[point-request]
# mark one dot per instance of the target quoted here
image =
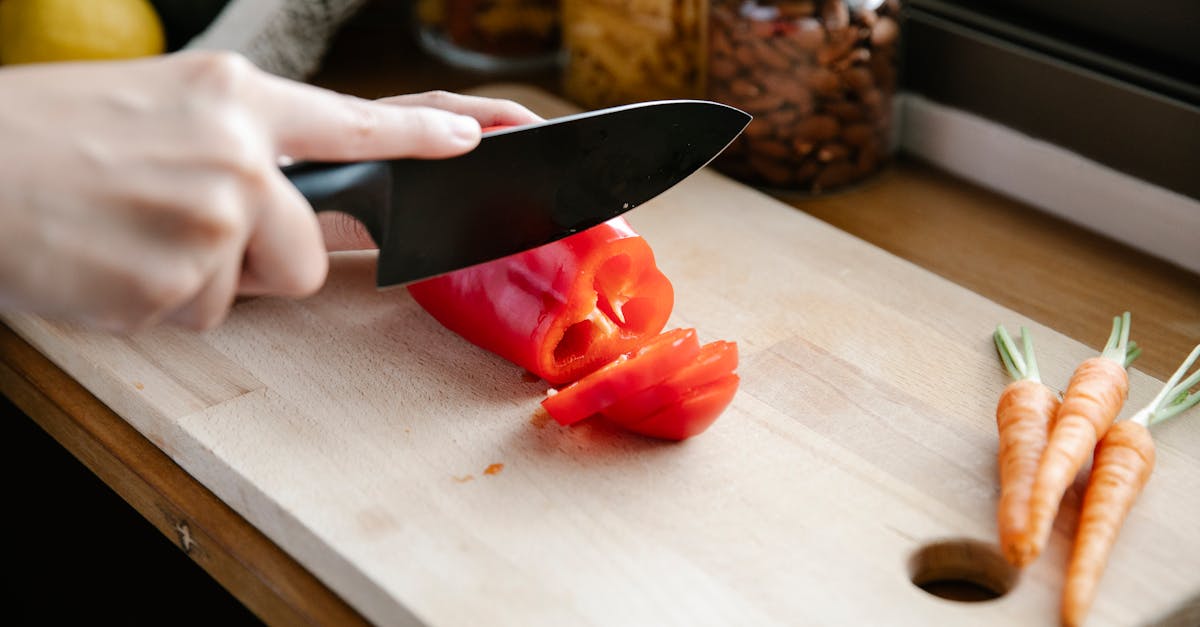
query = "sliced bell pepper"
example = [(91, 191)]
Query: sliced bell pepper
[(624, 376), (694, 413), (560, 310), (714, 361), (568, 308)]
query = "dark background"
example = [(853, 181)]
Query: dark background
[(76, 553), (1153, 45)]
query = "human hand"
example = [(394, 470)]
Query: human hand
[(341, 232), (141, 191)]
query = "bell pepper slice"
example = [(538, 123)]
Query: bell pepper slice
[(714, 361), (560, 310), (693, 414), (623, 376)]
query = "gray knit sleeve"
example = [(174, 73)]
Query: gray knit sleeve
[(284, 37)]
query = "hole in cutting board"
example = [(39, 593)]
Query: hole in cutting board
[(961, 570)]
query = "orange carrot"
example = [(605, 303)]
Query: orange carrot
[(1023, 417), (1124, 459), (1093, 399), (1122, 466)]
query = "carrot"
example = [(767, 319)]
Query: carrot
[(1122, 466), (1023, 417), (1093, 399)]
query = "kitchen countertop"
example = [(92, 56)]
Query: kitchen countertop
[(1051, 271)]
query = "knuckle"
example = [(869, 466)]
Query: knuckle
[(363, 122), (163, 289), (438, 97), (220, 221), (143, 293), (240, 150), (219, 73), (229, 224)]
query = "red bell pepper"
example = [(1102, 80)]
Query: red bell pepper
[(712, 362), (692, 414), (588, 309), (560, 310), (624, 376), (670, 388)]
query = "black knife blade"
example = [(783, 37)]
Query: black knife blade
[(521, 187)]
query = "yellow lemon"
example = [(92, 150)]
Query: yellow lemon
[(35, 31)]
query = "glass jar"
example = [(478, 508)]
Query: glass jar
[(491, 35), (818, 76), (623, 51)]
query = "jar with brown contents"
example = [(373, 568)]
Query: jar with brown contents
[(623, 51), (491, 35), (818, 76)]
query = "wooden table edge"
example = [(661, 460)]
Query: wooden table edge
[(268, 581)]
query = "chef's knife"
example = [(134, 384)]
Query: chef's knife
[(521, 187)]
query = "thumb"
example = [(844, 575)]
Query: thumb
[(341, 232)]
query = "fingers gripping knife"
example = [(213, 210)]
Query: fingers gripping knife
[(521, 187)]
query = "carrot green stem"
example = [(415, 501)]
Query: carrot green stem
[(1181, 398), (1018, 366), (1010, 355), (1133, 353), (1031, 372), (1175, 396), (1117, 348)]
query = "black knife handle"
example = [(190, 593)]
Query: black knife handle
[(362, 189)]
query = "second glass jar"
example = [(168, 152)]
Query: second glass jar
[(623, 51), (818, 76)]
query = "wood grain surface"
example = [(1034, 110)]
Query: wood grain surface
[(356, 433), (1050, 270)]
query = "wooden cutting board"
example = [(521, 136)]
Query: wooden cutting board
[(358, 434)]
